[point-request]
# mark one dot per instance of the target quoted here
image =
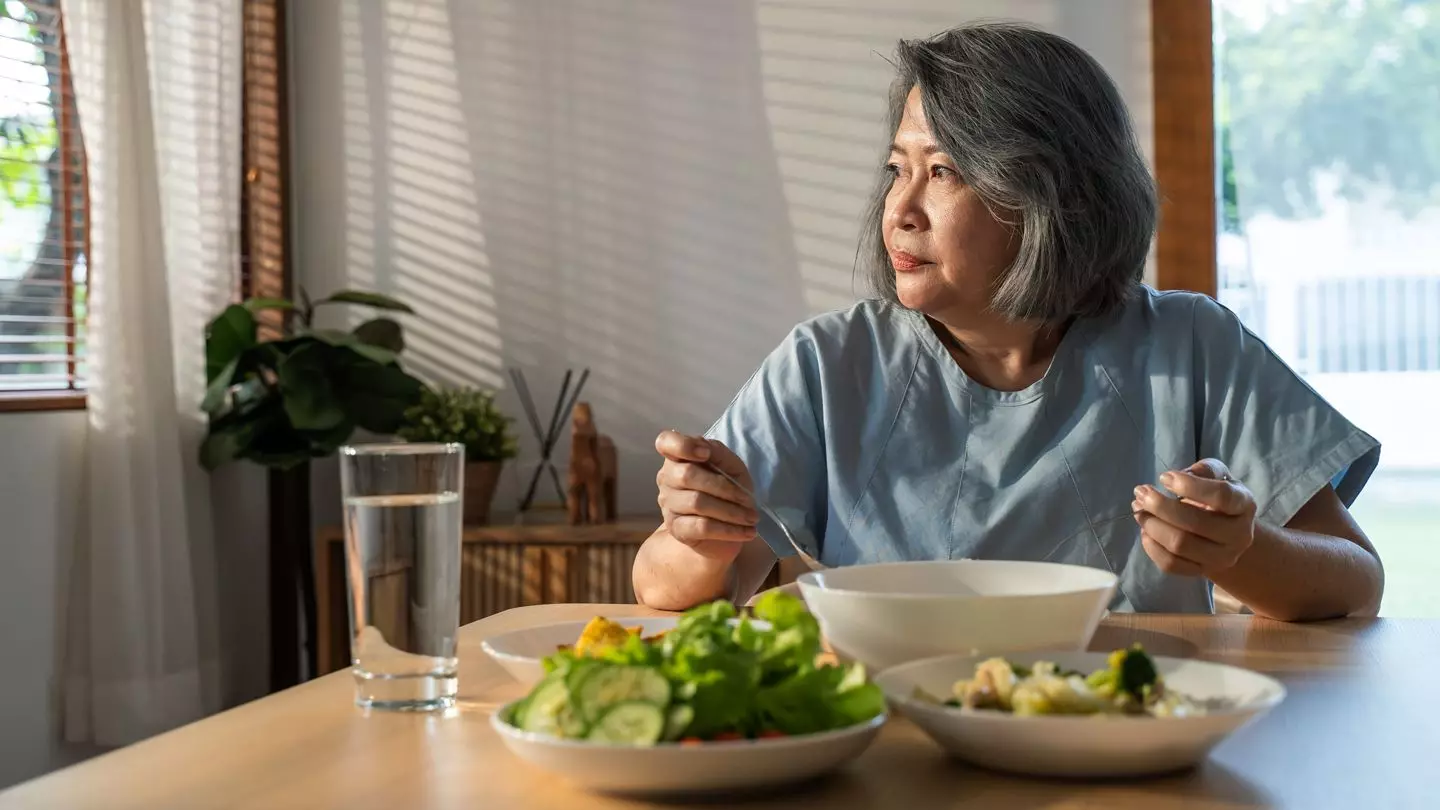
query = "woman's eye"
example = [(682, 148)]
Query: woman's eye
[(943, 172), (892, 169)]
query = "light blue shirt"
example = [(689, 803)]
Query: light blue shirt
[(864, 433)]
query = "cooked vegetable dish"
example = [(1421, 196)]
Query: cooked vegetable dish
[(712, 678), (1130, 685)]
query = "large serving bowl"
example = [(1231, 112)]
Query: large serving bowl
[(890, 613), (1083, 746)]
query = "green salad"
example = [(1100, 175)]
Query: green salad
[(713, 677)]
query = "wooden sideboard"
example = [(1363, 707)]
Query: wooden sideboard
[(501, 567)]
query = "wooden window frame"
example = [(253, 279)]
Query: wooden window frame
[(1182, 49), (73, 183)]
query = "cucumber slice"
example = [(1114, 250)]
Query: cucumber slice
[(676, 721), (604, 687), (632, 722), (572, 725), (542, 709)]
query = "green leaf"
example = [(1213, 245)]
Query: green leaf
[(325, 442), (232, 332), (383, 332), (348, 340), (225, 444), (335, 337), (368, 299), (214, 400), (374, 354), (310, 401), (375, 394), (275, 442), (258, 304)]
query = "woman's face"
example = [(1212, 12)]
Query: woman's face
[(946, 248)]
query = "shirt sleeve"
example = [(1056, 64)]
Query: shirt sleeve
[(1273, 431), (774, 424)]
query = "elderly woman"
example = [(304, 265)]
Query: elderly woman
[(1014, 392)]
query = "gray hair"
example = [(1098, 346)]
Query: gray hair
[(1038, 130)]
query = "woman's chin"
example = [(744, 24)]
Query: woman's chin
[(921, 295)]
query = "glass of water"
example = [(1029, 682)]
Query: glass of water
[(402, 561)]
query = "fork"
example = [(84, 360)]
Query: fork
[(810, 562)]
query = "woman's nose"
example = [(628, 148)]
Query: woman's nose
[(906, 213)]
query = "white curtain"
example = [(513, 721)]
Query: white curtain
[(158, 90)]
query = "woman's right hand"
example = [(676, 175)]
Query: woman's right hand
[(704, 511)]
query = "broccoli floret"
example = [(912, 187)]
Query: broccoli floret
[(1134, 671)]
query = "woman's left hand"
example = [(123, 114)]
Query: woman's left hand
[(1203, 531)]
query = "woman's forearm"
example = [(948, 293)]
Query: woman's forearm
[(669, 575), (1293, 574)]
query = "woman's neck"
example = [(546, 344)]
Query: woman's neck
[(1001, 354)]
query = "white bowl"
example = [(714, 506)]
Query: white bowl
[(520, 651), (703, 768), (890, 613), (1094, 747)]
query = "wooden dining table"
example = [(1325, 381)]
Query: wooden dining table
[(1360, 728)]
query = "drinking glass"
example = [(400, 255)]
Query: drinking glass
[(402, 562)]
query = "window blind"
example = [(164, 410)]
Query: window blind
[(43, 219)]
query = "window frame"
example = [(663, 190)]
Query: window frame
[(1183, 74)]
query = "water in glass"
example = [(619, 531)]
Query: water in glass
[(404, 559)]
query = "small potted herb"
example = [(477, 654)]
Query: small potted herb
[(466, 416)]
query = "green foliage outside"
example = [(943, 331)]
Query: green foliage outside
[(1350, 87), (27, 140)]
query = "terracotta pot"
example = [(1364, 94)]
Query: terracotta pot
[(481, 477)]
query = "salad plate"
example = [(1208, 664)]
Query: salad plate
[(715, 702), (710, 767), (1069, 714), (521, 652)]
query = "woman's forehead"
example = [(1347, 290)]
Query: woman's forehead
[(914, 129)]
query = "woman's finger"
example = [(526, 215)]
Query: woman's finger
[(1184, 544), (677, 446), (695, 477), (1212, 468), (1187, 516), (693, 529), (1221, 495), (700, 504), (725, 458), (1166, 561)]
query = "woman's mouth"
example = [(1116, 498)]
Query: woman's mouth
[(905, 262)]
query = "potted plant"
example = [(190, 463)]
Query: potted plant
[(284, 401), (470, 417)]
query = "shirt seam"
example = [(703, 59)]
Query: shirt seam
[(1065, 458), (889, 435), (964, 472), (1134, 424)]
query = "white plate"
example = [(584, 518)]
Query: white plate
[(689, 769), (1082, 746), (520, 651)]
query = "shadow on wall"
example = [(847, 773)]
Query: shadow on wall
[(655, 190), (580, 184)]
